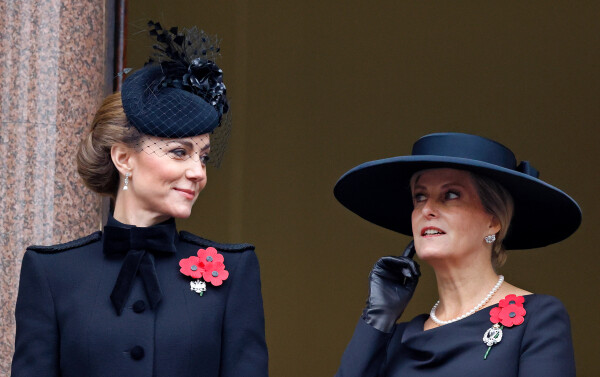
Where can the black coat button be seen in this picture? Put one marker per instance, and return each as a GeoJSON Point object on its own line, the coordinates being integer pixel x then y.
{"type": "Point", "coordinates": [139, 306]}
{"type": "Point", "coordinates": [137, 353]}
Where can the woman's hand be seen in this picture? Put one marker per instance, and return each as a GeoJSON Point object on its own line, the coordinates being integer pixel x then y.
{"type": "Point", "coordinates": [392, 283]}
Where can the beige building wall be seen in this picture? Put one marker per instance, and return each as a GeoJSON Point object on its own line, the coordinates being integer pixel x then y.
{"type": "Point", "coordinates": [52, 65]}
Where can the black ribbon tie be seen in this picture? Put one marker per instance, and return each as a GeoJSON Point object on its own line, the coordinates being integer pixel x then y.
{"type": "Point", "coordinates": [140, 245]}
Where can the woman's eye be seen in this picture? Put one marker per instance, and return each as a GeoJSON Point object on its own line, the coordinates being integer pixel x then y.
{"type": "Point", "coordinates": [419, 198]}
{"type": "Point", "coordinates": [179, 152]}
{"type": "Point", "coordinates": [452, 195]}
{"type": "Point", "coordinates": [204, 159]}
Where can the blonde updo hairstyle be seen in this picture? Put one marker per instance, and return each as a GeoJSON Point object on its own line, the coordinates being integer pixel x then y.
{"type": "Point", "coordinates": [109, 127]}
{"type": "Point", "coordinates": [497, 201]}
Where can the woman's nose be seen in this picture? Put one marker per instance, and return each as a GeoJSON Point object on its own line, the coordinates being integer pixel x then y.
{"type": "Point", "coordinates": [196, 170]}
{"type": "Point", "coordinates": [430, 209]}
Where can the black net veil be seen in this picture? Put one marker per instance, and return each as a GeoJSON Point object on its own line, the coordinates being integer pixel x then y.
{"type": "Point", "coordinates": [179, 98]}
{"type": "Point", "coordinates": [207, 148]}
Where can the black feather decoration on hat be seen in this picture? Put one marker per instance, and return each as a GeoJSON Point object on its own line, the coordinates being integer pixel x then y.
{"type": "Point", "coordinates": [187, 62]}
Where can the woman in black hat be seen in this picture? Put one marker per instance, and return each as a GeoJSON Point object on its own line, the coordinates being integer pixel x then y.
{"type": "Point", "coordinates": [139, 298]}
{"type": "Point", "coordinates": [465, 201]}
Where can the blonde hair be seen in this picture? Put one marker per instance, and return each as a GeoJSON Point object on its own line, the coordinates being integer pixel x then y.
{"type": "Point", "coordinates": [498, 202]}
{"type": "Point", "coordinates": [109, 127]}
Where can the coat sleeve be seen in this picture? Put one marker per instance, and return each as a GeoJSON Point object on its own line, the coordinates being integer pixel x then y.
{"type": "Point", "coordinates": [244, 350]}
{"type": "Point", "coordinates": [547, 348]}
{"type": "Point", "coordinates": [366, 353]}
{"type": "Point", "coordinates": [37, 338]}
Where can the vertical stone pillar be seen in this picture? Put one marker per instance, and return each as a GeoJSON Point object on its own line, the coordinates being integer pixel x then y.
{"type": "Point", "coordinates": [52, 68]}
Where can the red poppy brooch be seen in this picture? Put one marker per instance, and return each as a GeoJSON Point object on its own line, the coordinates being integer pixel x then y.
{"type": "Point", "coordinates": [509, 312]}
{"type": "Point", "coordinates": [207, 265]}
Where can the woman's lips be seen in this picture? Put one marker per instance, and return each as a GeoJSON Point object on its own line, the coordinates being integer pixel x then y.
{"type": "Point", "coordinates": [431, 231]}
{"type": "Point", "coordinates": [188, 194]}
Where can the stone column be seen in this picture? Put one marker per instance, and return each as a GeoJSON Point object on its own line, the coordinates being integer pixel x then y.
{"type": "Point", "coordinates": [52, 64]}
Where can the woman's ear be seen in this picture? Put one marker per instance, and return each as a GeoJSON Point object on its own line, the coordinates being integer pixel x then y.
{"type": "Point", "coordinates": [495, 225]}
{"type": "Point", "coordinates": [122, 157]}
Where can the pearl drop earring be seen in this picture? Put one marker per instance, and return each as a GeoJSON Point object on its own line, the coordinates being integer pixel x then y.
{"type": "Point", "coordinates": [126, 183]}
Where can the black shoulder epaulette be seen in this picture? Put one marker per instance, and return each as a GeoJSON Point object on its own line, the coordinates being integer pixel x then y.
{"type": "Point", "coordinates": [192, 238]}
{"type": "Point", "coordinates": [67, 246]}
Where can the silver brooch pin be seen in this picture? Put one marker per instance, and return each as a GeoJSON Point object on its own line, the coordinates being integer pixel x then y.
{"type": "Point", "coordinates": [198, 286]}
{"type": "Point", "coordinates": [492, 336]}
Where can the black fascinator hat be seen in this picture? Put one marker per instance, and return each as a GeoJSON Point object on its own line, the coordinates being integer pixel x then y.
{"type": "Point", "coordinates": [379, 191]}
{"type": "Point", "coordinates": [180, 91]}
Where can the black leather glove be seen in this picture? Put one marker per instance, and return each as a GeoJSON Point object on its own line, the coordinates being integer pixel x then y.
{"type": "Point", "coordinates": [392, 283]}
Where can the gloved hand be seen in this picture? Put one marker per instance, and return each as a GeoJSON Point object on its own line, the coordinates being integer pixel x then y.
{"type": "Point", "coordinates": [392, 283]}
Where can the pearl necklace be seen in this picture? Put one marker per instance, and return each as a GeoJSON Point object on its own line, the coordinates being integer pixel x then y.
{"type": "Point", "coordinates": [476, 308]}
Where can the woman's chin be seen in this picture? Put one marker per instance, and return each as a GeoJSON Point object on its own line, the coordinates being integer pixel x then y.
{"type": "Point", "coordinates": [430, 254]}
{"type": "Point", "coordinates": [180, 213]}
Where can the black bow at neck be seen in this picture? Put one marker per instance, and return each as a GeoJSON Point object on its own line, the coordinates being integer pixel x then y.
{"type": "Point", "coordinates": [139, 244]}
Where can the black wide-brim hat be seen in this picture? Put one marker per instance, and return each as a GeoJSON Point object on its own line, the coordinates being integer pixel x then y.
{"type": "Point", "coordinates": [379, 191]}
{"type": "Point", "coordinates": [164, 111]}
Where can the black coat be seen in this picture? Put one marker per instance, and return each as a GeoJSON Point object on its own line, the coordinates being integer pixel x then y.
{"type": "Point", "coordinates": [68, 326]}
{"type": "Point", "coordinates": [540, 346]}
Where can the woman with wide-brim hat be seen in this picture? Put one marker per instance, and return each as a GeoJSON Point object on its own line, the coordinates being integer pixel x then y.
{"type": "Point", "coordinates": [140, 298]}
{"type": "Point", "coordinates": [465, 201]}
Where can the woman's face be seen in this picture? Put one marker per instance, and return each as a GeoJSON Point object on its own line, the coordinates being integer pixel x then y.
{"type": "Point", "coordinates": [448, 219]}
{"type": "Point", "coordinates": [166, 176]}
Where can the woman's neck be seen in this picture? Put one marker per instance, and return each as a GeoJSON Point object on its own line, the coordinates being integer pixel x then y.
{"type": "Point", "coordinates": [461, 289]}
{"type": "Point", "coordinates": [136, 216]}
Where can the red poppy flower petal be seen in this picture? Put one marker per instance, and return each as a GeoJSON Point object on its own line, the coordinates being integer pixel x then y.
{"type": "Point", "coordinates": [224, 274]}
{"type": "Point", "coordinates": [210, 255]}
{"type": "Point", "coordinates": [192, 260]}
{"type": "Point", "coordinates": [197, 274]}
{"type": "Point", "coordinates": [511, 299]}
{"type": "Point", "coordinates": [202, 253]}
{"type": "Point", "coordinates": [506, 300]}
{"type": "Point", "coordinates": [494, 315]}
{"type": "Point", "coordinates": [187, 264]}
{"type": "Point", "coordinates": [518, 320]}
{"type": "Point", "coordinates": [516, 309]}
{"type": "Point", "coordinates": [184, 271]}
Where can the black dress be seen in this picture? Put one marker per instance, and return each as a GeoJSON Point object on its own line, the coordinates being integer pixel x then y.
{"type": "Point", "coordinates": [540, 346]}
{"type": "Point", "coordinates": [68, 325]}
